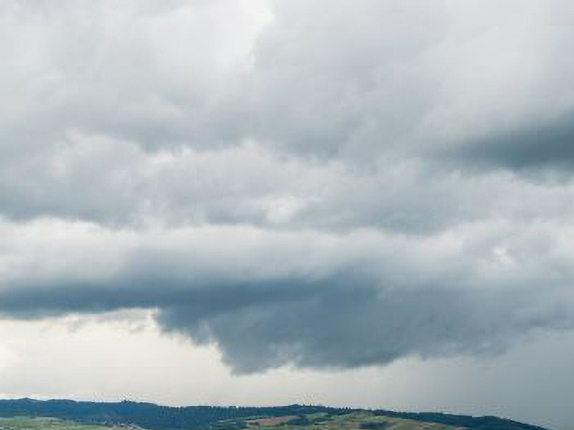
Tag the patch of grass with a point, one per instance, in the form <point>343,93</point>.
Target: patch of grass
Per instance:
<point>357,420</point>
<point>45,423</point>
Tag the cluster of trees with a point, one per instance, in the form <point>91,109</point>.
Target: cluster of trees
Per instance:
<point>374,426</point>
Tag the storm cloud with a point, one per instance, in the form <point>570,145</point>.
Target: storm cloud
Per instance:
<point>310,183</point>
<point>304,298</point>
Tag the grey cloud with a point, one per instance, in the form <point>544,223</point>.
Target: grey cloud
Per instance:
<point>336,185</point>
<point>343,80</point>
<point>352,327</point>
<point>337,322</point>
<point>251,185</point>
<point>308,300</point>
<point>133,70</point>
<point>354,82</point>
<point>545,150</point>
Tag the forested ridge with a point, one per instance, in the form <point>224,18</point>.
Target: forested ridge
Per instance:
<point>152,416</point>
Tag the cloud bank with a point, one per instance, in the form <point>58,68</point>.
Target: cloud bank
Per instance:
<point>308,183</point>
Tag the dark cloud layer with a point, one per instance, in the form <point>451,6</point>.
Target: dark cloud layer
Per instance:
<point>309,183</point>
<point>305,299</point>
<point>341,320</point>
<point>543,148</point>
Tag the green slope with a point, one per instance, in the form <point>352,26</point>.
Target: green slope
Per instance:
<point>45,423</point>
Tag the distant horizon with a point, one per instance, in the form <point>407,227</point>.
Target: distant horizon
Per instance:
<point>78,400</point>
<point>351,408</point>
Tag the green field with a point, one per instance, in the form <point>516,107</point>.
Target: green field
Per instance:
<point>352,421</point>
<point>24,423</point>
<point>362,420</point>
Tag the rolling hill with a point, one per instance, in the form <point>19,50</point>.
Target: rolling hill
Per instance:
<point>94,415</point>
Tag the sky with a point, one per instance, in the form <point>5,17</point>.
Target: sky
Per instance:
<point>366,203</point>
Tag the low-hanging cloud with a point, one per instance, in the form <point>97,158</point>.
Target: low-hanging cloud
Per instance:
<point>310,183</point>
<point>306,299</point>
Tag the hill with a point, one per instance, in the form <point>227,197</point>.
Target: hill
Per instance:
<point>292,417</point>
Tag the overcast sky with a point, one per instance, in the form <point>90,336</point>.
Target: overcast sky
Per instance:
<point>348,202</point>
